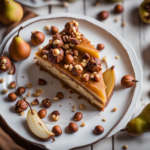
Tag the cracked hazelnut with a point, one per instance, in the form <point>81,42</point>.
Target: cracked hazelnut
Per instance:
<point>57,41</point>
<point>78,116</point>
<point>96,77</point>
<point>72,127</point>
<point>118,9</point>
<point>55,115</point>
<point>21,106</point>
<point>35,102</point>
<point>42,81</point>
<point>99,129</point>
<point>75,53</point>
<point>65,38</point>
<point>37,38</point>
<point>13,69</point>
<point>54,30</point>
<point>5,64</point>
<point>57,130</point>
<point>71,28</point>
<point>20,90</point>
<point>69,59</point>
<point>86,56</point>
<point>100,46</point>
<point>42,113</point>
<point>46,102</point>
<point>77,70</point>
<point>103,15</point>
<point>60,95</point>
<point>56,55</point>
<point>86,77</point>
<point>74,41</point>
<point>12,85</point>
<point>94,64</point>
<point>66,46</point>
<point>12,96</point>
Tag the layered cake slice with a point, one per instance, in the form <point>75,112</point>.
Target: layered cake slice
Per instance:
<point>73,59</point>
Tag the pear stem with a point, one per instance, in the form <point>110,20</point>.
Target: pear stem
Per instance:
<point>19,30</point>
<point>134,80</point>
<point>28,104</point>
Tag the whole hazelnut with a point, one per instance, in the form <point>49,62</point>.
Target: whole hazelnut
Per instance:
<point>69,59</point>
<point>42,113</point>
<point>21,106</point>
<point>103,15</point>
<point>55,115</point>
<point>118,9</point>
<point>99,129</point>
<point>5,64</point>
<point>77,70</point>
<point>60,95</point>
<point>12,84</point>
<point>96,77</point>
<point>57,130</point>
<point>46,102</point>
<point>12,96</point>
<point>54,30</point>
<point>37,38</point>
<point>78,116</point>
<point>72,127</point>
<point>20,90</point>
<point>75,53</point>
<point>86,56</point>
<point>86,77</point>
<point>100,46</point>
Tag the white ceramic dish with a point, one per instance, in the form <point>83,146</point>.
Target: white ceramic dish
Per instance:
<point>39,3</point>
<point>124,99</point>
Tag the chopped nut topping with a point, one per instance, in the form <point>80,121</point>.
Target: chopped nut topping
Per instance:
<point>66,46</point>
<point>71,44</point>
<point>82,106</point>
<point>66,66</point>
<point>77,33</point>
<point>117,57</point>
<point>92,76</point>
<point>1,80</point>
<point>78,37</point>
<point>95,72</point>
<point>56,98</point>
<point>104,58</point>
<point>124,24</point>
<point>76,23</point>
<point>29,85</point>
<point>56,42</point>
<point>5,91</point>
<point>104,119</point>
<point>3,61</point>
<point>3,66</point>
<point>47,27</point>
<point>83,124</point>
<point>51,41</point>
<point>63,33</point>
<point>115,109</point>
<point>22,113</point>
<point>83,64</point>
<point>75,57</point>
<point>80,41</point>
<point>55,117</point>
<point>78,67</point>
<point>70,67</point>
<point>56,52</point>
<point>125,147</point>
<point>28,94</point>
<point>44,56</point>
<point>74,29</point>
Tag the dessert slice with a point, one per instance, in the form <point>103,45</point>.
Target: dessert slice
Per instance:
<point>72,59</point>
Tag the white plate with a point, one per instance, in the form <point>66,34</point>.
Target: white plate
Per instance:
<point>39,3</point>
<point>124,99</point>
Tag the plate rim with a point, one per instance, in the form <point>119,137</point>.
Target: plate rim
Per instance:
<point>137,88</point>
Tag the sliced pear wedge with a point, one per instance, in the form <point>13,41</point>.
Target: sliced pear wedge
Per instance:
<point>37,126</point>
<point>109,80</point>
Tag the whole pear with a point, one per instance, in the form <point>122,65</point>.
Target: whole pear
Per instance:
<point>19,49</point>
<point>10,12</point>
<point>140,124</point>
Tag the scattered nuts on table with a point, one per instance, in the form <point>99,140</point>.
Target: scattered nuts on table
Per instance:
<point>46,102</point>
<point>42,113</point>
<point>82,106</point>
<point>20,90</point>
<point>12,96</point>
<point>22,113</point>
<point>72,127</point>
<point>35,102</point>
<point>83,124</point>
<point>1,80</point>
<point>99,129</point>
<point>55,115</point>
<point>12,85</point>
<point>78,116</point>
<point>5,91</point>
<point>104,119</point>
<point>57,130</point>
<point>29,85</point>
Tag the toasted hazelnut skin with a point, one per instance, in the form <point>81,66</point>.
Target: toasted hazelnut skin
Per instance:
<point>42,113</point>
<point>56,112</point>
<point>21,105</point>
<point>103,15</point>
<point>75,53</point>
<point>69,59</point>
<point>12,96</point>
<point>97,77</point>
<point>77,72</point>
<point>118,9</point>
<point>54,30</point>
<point>86,56</point>
<point>20,90</point>
<point>8,64</point>
<point>37,38</point>
<point>86,77</point>
<point>12,84</point>
<point>57,130</point>
<point>60,95</point>
<point>100,46</point>
<point>99,129</point>
<point>72,127</point>
<point>78,116</point>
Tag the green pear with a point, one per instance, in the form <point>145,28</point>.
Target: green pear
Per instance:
<point>140,124</point>
<point>10,12</point>
<point>19,49</point>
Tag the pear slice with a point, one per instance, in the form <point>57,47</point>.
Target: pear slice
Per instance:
<point>37,126</point>
<point>109,80</point>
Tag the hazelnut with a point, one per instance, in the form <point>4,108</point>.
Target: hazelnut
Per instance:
<point>103,15</point>
<point>86,56</point>
<point>29,85</point>
<point>4,91</point>
<point>57,130</point>
<point>37,38</point>
<point>21,106</point>
<point>66,46</point>
<point>20,90</point>
<point>118,9</point>
<point>69,59</point>
<point>12,96</point>
<point>83,124</point>
<point>55,115</point>
<point>5,64</point>
<point>78,116</point>
<point>96,77</point>
<point>72,127</point>
<point>60,95</point>
<point>100,46</point>
<point>70,67</point>
<point>12,84</point>
<point>13,69</point>
<point>2,80</point>
<point>86,77</point>
<point>57,41</point>
<point>42,81</point>
<point>77,70</point>
<point>35,102</point>
<point>99,129</point>
<point>42,113</point>
<point>75,53</point>
<point>54,30</point>
<point>82,106</point>
<point>46,102</point>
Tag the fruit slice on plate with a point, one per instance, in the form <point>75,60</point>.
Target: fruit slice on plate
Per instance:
<point>109,80</point>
